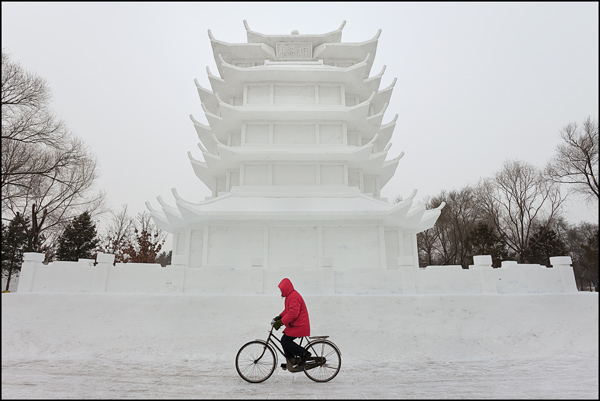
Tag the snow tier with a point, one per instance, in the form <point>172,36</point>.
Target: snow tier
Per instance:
<point>380,328</point>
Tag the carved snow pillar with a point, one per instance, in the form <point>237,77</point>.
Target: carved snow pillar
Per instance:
<point>483,263</point>
<point>31,262</point>
<point>567,277</point>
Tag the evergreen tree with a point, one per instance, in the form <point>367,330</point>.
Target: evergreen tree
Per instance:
<point>14,243</point>
<point>543,244</point>
<point>78,240</point>
<point>483,240</point>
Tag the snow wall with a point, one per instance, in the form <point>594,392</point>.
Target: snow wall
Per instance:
<point>480,278</point>
<point>376,327</point>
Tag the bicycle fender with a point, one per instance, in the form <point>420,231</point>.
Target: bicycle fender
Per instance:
<point>324,341</point>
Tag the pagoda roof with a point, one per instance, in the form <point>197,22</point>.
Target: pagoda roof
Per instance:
<point>241,51</point>
<point>316,39</point>
<point>211,101</point>
<point>353,206</point>
<point>260,51</point>
<point>233,78</point>
<point>232,117</point>
<point>352,51</point>
<point>210,138</point>
<point>229,158</point>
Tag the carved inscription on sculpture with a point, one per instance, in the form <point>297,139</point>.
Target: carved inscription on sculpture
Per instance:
<point>294,50</point>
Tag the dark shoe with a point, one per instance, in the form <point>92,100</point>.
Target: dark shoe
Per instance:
<point>304,357</point>
<point>284,366</point>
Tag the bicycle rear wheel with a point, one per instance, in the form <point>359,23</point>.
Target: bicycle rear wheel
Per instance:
<point>325,362</point>
<point>255,361</point>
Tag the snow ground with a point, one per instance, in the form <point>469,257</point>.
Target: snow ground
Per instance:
<point>537,346</point>
<point>108,378</point>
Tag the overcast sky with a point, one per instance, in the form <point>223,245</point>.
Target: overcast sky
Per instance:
<point>478,83</point>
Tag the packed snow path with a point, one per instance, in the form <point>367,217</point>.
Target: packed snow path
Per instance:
<point>535,346</point>
<point>36,378</point>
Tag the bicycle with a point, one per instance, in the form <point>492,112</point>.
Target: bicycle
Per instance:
<point>255,362</point>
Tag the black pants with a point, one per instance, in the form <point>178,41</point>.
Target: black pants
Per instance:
<point>290,348</point>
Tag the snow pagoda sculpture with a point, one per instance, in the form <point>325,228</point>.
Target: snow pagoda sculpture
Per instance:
<point>295,156</point>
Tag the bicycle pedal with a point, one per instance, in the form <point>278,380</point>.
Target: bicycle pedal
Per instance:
<point>296,368</point>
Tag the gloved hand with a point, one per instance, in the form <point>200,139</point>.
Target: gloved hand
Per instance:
<point>278,317</point>
<point>277,323</point>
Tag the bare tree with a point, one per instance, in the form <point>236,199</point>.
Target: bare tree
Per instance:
<point>517,200</point>
<point>426,243</point>
<point>576,159</point>
<point>117,235</point>
<point>446,243</point>
<point>34,142</point>
<point>147,240</point>
<point>46,173</point>
<point>135,240</point>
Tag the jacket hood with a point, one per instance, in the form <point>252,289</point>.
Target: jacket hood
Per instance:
<point>286,287</point>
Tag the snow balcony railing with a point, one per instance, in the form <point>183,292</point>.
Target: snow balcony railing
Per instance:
<point>104,277</point>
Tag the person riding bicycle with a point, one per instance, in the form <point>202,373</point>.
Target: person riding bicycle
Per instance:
<point>296,321</point>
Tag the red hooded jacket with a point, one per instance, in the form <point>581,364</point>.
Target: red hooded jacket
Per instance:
<point>295,315</point>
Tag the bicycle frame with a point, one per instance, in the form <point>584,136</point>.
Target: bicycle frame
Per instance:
<point>270,342</point>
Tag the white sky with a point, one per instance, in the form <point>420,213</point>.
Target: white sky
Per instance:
<point>478,83</point>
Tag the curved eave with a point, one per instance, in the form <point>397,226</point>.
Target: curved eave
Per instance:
<point>371,84</point>
<point>428,219</point>
<point>389,169</point>
<point>398,212</point>
<point>345,51</point>
<point>355,85</point>
<point>233,78</point>
<point>228,206</point>
<point>218,165</point>
<point>376,119</point>
<point>202,171</point>
<point>173,216</point>
<point>240,52</point>
<point>207,97</point>
<point>271,40</point>
<point>207,136</point>
<point>186,209</point>
<point>370,166</point>
<point>218,84</point>
<point>385,133</point>
<point>360,207</point>
<point>383,96</point>
<point>160,220</point>
<point>413,217</point>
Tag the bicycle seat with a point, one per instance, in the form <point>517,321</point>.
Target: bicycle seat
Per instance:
<point>318,337</point>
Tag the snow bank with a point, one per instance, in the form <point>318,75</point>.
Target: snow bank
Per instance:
<point>380,327</point>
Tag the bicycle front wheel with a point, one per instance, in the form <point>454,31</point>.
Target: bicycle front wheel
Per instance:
<point>325,362</point>
<point>255,362</point>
